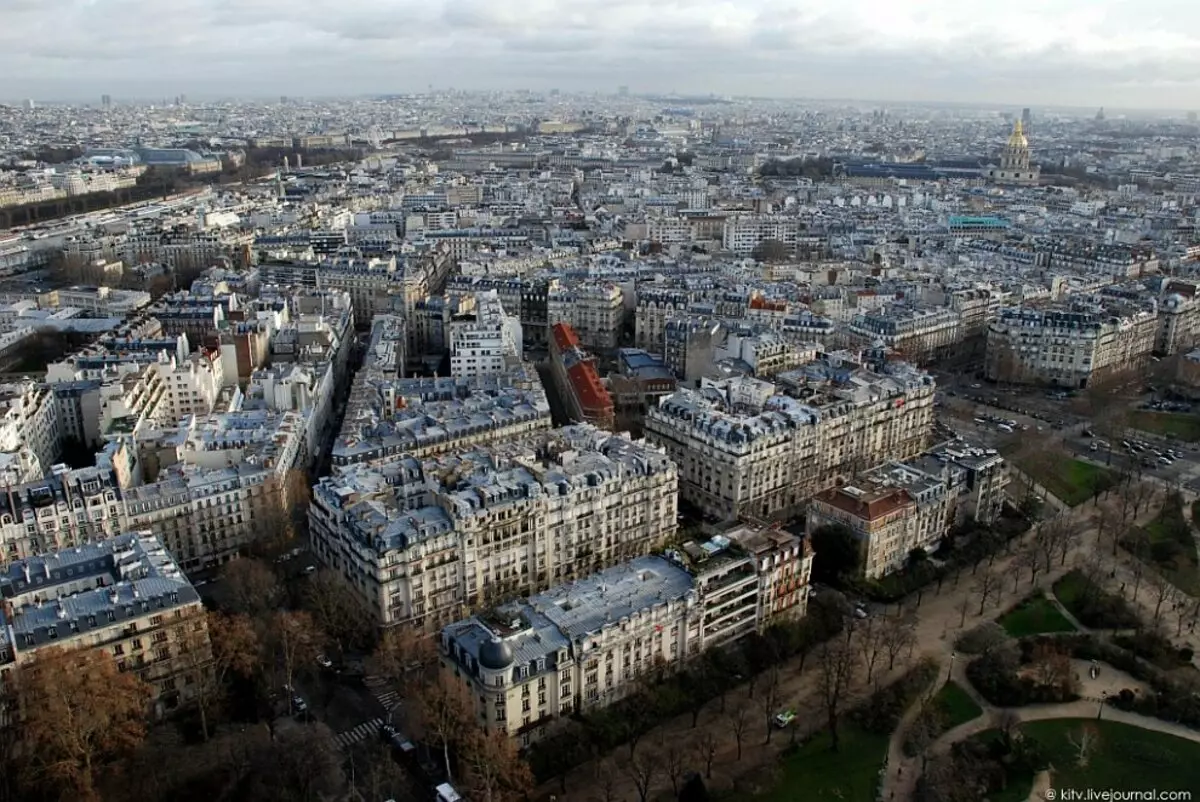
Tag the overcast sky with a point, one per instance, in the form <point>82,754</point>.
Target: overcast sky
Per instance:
<point>1116,53</point>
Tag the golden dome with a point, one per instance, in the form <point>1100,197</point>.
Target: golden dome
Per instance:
<point>1018,140</point>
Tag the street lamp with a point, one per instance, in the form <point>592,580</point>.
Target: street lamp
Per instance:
<point>1100,709</point>
<point>950,673</point>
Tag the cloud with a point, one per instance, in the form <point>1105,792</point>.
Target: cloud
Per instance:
<point>1020,51</point>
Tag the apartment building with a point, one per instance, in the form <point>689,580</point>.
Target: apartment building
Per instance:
<point>388,419</point>
<point>30,436</point>
<point>655,306</point>
<point>898,507</point>
<point>1068,347</point>
<point>887,523</point>
<point>583,645</point>
<point>922,336</point>
<point>61,510</point>
<point>742,233</point>
<point>124,595</point>
<point>418,541</point>
<point>211,487</point>
<point>485,341</point>
<point>578,382</point>
<point>1178,324</point>
<point>746,447</point>
<point>596,312</point>
<point>163,392</point>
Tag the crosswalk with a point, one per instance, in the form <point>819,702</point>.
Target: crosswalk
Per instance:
<point>378,686</point>
<point>350,737</point>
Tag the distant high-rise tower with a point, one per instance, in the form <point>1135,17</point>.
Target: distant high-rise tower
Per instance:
<point>29,105</point>
<point>1100,115</point>
<point>1026,118</point>
<point>283,100</point>
<point>106,101</point>
<point>623,91</point>
<point>183,100</point>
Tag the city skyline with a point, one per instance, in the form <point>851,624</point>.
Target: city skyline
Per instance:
<point>1065,52</point>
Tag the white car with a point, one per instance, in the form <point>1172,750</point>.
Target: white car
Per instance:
<point>784,717</point>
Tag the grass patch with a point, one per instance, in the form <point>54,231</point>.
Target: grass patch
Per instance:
<point>1182,426</point>
<point>957,705</point>
<point>1122,759</point>
<point>816,772</point>
<point>1092,605</point>
<point>1072,480</point>
<point>1035,616</point>
<point>1168,543</point>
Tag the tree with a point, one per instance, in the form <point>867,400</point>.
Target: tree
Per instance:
<point>986,588</point>
<point>674,753</point>
<point>836,554</point>
<point>293,645</point>
<point>495,772</point>
<point>403,657</point>
<point>871,637</point>
<point>738,721</point>
<point>445,710</point>
<point>705,746</point>
<point>642,766</point>
<point>302,763</point>
<point>1027,557</point>
<point>1161,593</point>
<point>212,647</point>
<point>335,610</point>
<point>1085,740</point>
<point>251,587</point>
<point>768,701</point>
<point>771,251</point>
<point>78,713</point>
<point>837,666</point>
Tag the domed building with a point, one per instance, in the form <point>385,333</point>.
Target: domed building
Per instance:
<point>1015,166</point>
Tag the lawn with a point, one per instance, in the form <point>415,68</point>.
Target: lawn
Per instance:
<point>814,772</point>
<point>1168,424</point>
<point>1172,548</point>
<point>1125,758</point>
<point>957,705</point>
<point>1034,616</point>
<point>1074,481</point>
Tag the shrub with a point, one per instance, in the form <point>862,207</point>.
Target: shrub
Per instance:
<point>1094,606</point>
<point>882,711</point>
<point>983,638</point>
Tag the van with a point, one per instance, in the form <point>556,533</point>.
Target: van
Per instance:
<point>446,793</point>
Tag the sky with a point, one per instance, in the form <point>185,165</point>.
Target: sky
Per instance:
<point>1114,53</point>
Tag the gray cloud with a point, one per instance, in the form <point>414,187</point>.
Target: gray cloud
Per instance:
<point>1089,52</point>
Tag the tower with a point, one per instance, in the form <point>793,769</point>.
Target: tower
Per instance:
<point>1016,152</point>
<point>1015,166</point>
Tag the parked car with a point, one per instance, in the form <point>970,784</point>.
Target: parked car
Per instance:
<point>784,717</point>
<point>324,662</point>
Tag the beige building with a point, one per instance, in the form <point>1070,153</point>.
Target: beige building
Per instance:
<point>595,311</point>
<point>751,448</point>
<point>124,595</point>
<point>584,645</point>
<point>1068,347</point>
<point>59,511</point>
<point>424,540</point>
<point>922,336</point>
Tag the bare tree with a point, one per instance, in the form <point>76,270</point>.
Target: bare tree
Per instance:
<point>404,656</point>
<point>211,648</point>
<point>293,644</point>
<point>495,772</point>
<point>642,767</point>
<point>963,606</point>
<point>1026,558</point>
<point>705,746</point>
<point>674,754</point>
<point>739,720</point>
<point>1084,740</point>
<point>444,709</point>
<point>251,587</point>
<point>986,588</point>
<point>768,700</point>
<point>837,667</point>
<point>871,639</point>
<point>898,635</point>
<point>1162,592</point>
<point>335,611</point>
